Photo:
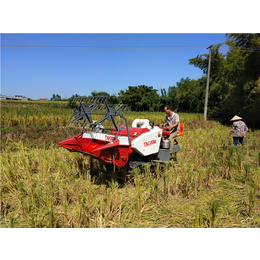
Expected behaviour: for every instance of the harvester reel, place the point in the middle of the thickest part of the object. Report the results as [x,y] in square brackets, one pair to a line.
[110,114]
[81,112]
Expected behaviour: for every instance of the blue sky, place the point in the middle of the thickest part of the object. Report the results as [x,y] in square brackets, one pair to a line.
[39,72]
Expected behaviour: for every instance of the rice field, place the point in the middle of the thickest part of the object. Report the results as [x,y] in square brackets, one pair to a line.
[214,184]
[51,115]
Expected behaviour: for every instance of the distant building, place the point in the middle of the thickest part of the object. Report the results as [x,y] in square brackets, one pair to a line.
[17,97]
[43,99]
[2,96]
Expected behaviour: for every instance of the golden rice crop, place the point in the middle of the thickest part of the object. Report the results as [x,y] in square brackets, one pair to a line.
[212,186]
[214,183]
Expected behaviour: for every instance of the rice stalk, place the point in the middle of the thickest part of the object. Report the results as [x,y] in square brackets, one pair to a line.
[214,209]
[252,197]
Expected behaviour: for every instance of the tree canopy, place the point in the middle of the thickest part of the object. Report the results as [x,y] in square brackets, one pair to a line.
[140,98]
[234,79]
[56,97]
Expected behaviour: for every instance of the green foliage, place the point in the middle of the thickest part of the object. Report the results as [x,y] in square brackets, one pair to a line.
[94,93]
[219,87]
[169,98]
[190,95]
[244,77]
[71,102]
[172,96]
[56,97]
[140,98]
[234,79]
[111,99]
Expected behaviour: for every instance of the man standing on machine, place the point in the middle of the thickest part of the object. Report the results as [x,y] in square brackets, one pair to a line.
[172,123]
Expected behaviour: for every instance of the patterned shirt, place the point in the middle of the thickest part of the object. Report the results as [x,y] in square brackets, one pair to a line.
[238,128]
[98,128]
[171,121]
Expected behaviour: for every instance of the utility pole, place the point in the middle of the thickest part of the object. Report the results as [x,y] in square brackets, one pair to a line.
[207,86]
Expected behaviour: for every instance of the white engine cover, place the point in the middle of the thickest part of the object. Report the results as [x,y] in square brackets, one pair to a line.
[144,123]
[148,143]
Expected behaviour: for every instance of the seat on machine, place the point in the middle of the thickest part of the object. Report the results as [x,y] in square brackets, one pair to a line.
[181,131]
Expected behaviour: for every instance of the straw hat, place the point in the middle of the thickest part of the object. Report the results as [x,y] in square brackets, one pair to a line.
[236,118]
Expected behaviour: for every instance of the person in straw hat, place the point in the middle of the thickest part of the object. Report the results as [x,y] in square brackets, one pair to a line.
[239,130]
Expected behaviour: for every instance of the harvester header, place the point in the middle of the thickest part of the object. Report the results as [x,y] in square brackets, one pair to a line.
[105,135]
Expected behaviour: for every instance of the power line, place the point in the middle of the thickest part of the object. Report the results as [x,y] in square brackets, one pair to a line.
[243,49]
[127,47]
[104,47]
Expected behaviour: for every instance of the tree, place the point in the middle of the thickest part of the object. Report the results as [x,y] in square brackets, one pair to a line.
[190,95]
[56,97]
[218,84]
[169,98]
[234,79]
[244,73]
[71,102]
[94,93]
[112,99]
[140,98]
[172,97]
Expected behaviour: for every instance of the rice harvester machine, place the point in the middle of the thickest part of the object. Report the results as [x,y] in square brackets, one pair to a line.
[116,143]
